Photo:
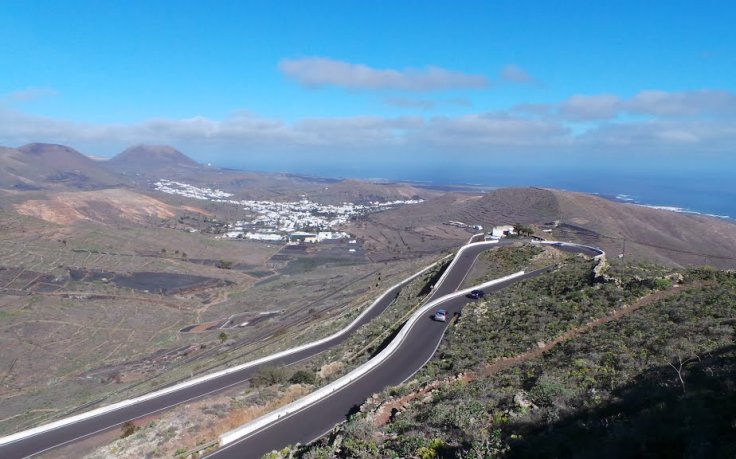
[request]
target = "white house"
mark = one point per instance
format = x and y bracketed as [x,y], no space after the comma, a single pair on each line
[302,236]
[502,231]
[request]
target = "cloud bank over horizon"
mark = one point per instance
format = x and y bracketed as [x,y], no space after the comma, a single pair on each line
[649,121]
[454,88]
[318,72]
[314,72]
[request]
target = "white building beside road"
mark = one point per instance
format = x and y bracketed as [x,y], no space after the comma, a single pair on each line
[323,235]
[500,231]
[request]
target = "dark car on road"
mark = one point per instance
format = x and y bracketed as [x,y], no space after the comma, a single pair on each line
[476,294]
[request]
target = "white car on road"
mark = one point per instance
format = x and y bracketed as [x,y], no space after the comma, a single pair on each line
[440,315]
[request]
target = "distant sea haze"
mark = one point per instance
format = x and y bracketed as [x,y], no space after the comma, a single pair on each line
[682,188]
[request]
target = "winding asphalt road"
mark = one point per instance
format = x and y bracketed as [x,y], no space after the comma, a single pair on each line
[303,426]
[418,347]
[72,432]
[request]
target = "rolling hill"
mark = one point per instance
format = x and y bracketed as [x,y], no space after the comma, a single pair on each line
[649,234]
[155,161]
[641,232]
[110,206]
[48,166]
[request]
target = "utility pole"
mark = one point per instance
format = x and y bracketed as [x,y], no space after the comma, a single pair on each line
[623,250]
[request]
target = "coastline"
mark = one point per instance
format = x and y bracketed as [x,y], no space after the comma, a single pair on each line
[628,199]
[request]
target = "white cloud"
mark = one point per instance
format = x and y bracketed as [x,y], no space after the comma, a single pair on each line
[515,74]
[27,95]
[686,122]
[358,133]
[482,130]
[425,104]
[17,128]
[685,103]
[708,103]
[691,136]
[584,108]
[320,71]
[408,102]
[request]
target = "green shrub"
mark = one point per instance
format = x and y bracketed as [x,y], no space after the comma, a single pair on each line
[303,377]
[128,429]
[662,284]
[268,376]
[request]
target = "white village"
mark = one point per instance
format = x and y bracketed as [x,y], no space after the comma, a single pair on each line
[300,221]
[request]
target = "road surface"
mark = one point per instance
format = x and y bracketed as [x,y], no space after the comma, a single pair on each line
[66,434]
[419,345]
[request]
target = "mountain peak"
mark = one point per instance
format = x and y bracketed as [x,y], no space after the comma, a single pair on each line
[45,148]
[153,160]
[158,154]
[47,165]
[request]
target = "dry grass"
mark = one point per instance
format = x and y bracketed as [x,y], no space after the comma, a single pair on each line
[87,341]
[327,370]
[103,206]
[652,235]
[185,427]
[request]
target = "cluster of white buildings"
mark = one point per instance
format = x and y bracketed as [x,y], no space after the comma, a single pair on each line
[189,191]
[278,221]
[378,205]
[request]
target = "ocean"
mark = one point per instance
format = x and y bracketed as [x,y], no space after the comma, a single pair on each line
[704,187]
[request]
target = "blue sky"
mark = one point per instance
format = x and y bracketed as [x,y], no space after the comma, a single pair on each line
[265,85]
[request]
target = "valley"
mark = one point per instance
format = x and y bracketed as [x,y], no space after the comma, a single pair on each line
[361,230]
[148,281]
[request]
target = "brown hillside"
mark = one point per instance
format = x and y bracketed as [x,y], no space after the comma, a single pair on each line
[510,205]
[111,206]
[290,187]
[651,234]
[152,160]
[361,192]
[49,166]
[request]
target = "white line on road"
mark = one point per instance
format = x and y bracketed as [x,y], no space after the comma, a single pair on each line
[319,394]
[192,382]
[231,438]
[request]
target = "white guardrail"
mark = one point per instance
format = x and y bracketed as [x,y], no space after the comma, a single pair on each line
[310,399]
[457,257]
[192,382]
[316,396]
[597,250]
[244,430]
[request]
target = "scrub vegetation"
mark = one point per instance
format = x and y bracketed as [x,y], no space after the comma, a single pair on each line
[564,366]
[94,314]
[502,261]
[188,426]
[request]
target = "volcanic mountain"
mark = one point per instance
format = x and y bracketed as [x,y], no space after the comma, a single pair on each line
[153,161]
[50,166]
